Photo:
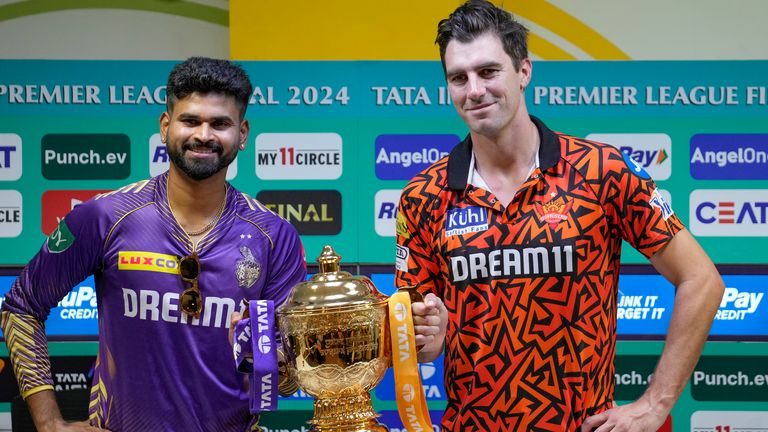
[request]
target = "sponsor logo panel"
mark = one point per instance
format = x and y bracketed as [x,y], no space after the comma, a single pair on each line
[633,373]
[385,207]
[286,420]
[298,156]
[86,156]
[402,258]
[729,156]
[57,203]
[10,213]
[147,261]
[400,157]
[729,421]
[10,156]
[75,315]
[466,220]
[312,212]
[729,212]
[730,378]
[649,152]
[159,160]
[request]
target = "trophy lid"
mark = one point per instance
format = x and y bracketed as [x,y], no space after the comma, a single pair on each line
[331,288]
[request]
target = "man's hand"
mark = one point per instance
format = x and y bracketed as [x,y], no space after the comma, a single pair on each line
[233,320]
[82,426]
[47,417]
[430,319]
[639,416]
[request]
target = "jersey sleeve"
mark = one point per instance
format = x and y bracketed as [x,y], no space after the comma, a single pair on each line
[287,266]
[415,262]
[637,208]
[70,254]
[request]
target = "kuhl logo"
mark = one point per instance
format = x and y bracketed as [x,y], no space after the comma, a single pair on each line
[466,220]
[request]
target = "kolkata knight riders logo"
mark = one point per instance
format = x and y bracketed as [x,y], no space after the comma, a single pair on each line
[554,211]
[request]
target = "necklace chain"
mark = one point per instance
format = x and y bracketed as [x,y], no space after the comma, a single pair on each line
[211,223]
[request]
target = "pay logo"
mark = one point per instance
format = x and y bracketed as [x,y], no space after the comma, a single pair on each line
[651,152]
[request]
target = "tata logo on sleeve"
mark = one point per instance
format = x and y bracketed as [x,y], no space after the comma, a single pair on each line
[400,157]
[385,209]
[57,203]
[466,220]
[10,213]
[729,156]
[729,212]
[650,153]
[160,160]
[10,157]
[298,156]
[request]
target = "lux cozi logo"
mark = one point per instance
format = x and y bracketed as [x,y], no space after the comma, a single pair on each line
[147,261]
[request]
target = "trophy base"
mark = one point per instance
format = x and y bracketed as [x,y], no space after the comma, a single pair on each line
[346,414]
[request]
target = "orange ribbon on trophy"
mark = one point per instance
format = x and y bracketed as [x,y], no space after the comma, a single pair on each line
[411,400]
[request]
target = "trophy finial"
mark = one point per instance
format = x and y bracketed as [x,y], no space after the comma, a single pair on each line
[329,260]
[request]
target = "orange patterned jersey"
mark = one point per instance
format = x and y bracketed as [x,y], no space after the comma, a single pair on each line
[530,288]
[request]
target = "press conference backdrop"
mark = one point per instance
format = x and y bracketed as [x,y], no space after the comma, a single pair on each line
[330,151]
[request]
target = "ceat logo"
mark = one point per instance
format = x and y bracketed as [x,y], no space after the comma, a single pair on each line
[651,152]
[159,160]
[57,203]
[729,212]
[385,207]
[10,157]
[408,393]
[298,156]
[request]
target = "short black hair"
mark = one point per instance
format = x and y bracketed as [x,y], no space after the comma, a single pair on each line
[206,75]
[477,17]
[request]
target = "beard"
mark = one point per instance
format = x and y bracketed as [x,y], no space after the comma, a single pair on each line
[200,168]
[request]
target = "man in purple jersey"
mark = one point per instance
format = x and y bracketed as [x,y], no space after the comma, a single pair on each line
[172,258]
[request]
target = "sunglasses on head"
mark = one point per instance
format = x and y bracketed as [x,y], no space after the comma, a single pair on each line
[191,300]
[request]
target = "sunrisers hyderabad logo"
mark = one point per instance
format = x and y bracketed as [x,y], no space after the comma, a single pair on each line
[554,211]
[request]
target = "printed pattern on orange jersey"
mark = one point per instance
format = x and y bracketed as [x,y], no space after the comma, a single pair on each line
[531,289]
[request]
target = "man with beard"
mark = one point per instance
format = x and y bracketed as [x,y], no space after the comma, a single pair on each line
[172,258]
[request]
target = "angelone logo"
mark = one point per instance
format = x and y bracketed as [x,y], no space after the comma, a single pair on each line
[729,156]
[729,212]
[553,211]
[10,156]
[147,261]
[647,154]
[57,203]
[400,157]
[312,212]
[466,220]
[298,156]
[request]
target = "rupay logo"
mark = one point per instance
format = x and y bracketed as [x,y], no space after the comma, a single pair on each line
[650,151]
[159,159]
[385,207]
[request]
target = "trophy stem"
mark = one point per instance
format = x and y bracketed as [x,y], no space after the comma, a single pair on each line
[346,414]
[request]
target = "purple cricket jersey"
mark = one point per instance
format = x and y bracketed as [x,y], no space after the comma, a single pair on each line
[159,369]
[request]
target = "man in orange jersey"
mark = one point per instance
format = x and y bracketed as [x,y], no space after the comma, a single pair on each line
[515,238]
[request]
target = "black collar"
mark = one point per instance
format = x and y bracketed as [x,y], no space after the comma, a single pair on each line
[461,156]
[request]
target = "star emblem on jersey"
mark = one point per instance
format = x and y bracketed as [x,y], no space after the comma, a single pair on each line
[247,270]
[553,211]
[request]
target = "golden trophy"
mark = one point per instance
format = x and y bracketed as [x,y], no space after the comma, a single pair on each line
[337,345]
